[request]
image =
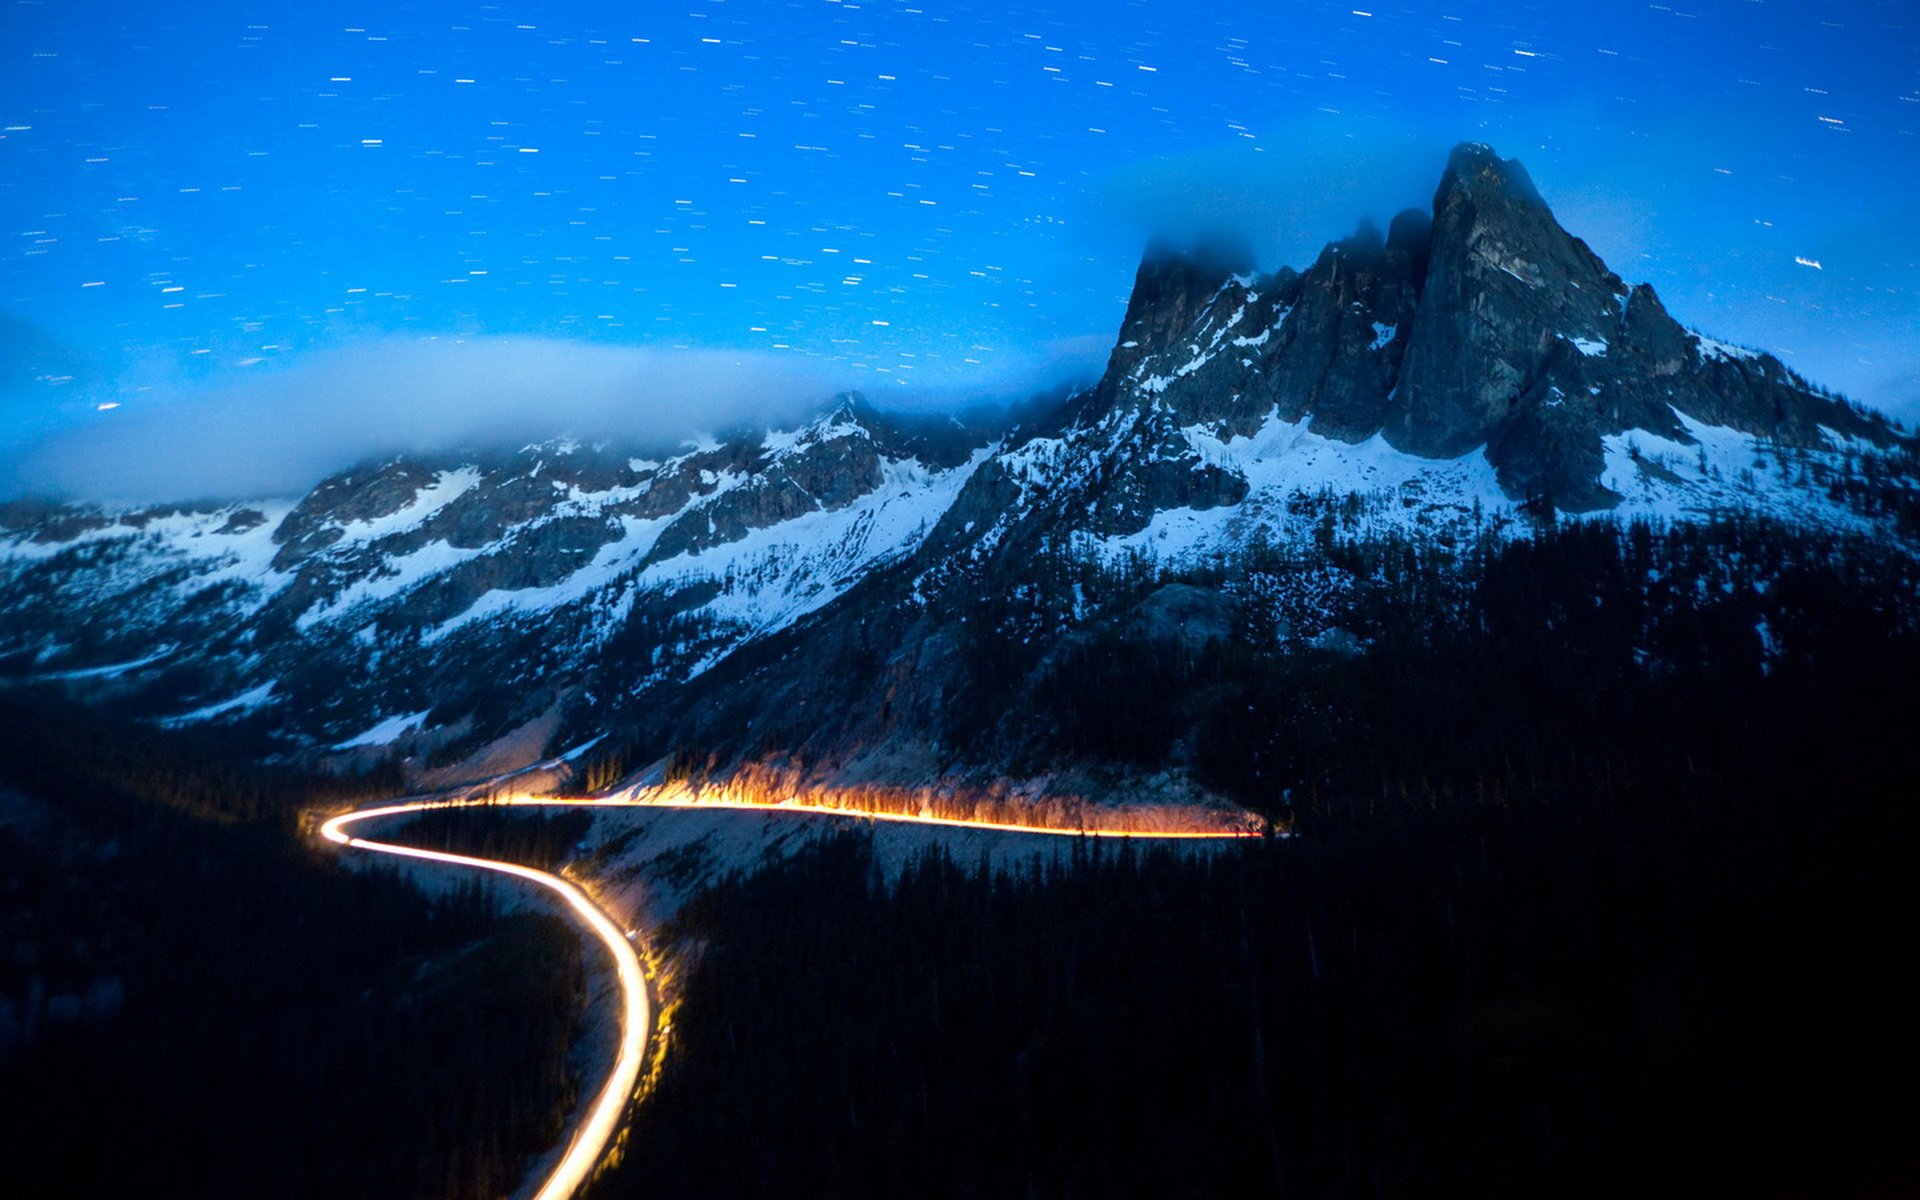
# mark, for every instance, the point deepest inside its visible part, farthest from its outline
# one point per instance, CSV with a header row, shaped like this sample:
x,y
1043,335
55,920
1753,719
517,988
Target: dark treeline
x,y
196,1000
1554,662
1446,1004
1588,659
1604,886
51,746
531,838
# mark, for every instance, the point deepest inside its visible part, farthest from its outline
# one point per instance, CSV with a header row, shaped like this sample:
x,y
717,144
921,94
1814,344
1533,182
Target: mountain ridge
x,y
1465,327
838,591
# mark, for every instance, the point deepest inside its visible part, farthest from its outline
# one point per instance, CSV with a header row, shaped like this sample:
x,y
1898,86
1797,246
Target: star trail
x,y
915,200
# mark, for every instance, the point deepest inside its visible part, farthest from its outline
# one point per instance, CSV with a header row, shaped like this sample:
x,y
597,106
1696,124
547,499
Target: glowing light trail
x,y
863,814
603,1120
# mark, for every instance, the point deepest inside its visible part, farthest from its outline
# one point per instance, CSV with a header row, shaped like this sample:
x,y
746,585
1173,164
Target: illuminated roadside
x,y
730,800
802,806
602,1122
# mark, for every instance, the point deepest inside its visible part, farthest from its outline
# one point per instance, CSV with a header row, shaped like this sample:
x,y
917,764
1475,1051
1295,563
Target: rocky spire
x,y
1171,287
1503,283
1484,324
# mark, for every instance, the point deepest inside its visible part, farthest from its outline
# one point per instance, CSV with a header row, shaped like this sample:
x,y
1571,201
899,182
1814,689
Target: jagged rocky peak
x,y
1481,325
1503,281
937,439
1173,286
1475,171
1342,331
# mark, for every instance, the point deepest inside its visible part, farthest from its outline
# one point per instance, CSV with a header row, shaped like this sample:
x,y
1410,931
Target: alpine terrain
x,y
1080,597
901,791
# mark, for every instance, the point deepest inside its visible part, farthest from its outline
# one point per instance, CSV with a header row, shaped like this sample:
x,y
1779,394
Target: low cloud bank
x,y
279,433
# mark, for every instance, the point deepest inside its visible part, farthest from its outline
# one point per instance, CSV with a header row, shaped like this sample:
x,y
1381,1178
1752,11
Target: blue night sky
x,y
926,203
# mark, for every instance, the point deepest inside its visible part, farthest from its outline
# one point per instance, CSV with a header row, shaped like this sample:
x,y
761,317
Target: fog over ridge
x,y
282,431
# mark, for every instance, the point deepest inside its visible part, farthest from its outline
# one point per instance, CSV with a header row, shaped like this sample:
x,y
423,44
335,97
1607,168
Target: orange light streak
x,y
603,1120
998,806
690,800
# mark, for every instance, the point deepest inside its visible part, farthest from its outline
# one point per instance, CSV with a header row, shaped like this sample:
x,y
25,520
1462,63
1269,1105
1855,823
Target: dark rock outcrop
x,y
1170,291
1504,283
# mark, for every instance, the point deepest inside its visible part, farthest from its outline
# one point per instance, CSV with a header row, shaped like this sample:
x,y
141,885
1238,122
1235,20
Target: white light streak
x,y
603,1120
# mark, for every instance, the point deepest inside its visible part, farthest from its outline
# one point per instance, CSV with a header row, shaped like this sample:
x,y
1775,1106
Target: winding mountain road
x,y
602,1122
590,1140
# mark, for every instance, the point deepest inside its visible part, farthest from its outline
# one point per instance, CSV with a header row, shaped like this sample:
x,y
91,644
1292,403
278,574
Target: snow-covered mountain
x,y
834,590
469,595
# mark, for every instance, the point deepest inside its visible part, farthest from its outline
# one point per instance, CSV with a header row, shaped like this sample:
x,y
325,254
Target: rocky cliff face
x,y
1504,286
836,590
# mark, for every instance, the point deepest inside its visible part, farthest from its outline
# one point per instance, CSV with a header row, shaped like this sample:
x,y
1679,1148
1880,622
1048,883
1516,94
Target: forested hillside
x,y
1602,884
197,1000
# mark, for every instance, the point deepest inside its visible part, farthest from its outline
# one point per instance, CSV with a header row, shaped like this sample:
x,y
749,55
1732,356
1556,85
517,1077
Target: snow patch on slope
x,y
386,731
144,566
398,574
447,486
611,561
769,577
1715,348
1285,463
1724,471
246,701
777,575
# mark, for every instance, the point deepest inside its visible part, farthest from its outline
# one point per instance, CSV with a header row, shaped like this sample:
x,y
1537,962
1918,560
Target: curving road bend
x,y
602,1122
603,1119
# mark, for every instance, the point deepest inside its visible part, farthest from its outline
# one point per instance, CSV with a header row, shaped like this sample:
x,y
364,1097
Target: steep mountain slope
x,y
1244,480
470,595
877,598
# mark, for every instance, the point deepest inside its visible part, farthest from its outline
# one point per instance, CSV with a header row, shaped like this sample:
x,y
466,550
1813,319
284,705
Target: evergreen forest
x,y
198,999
